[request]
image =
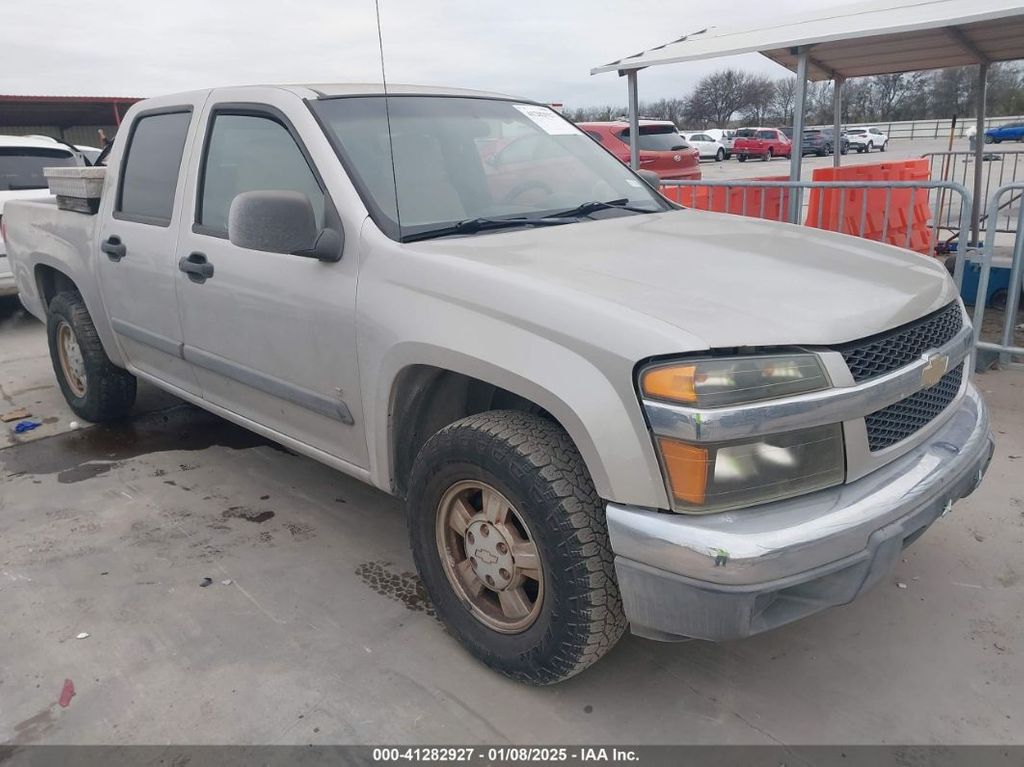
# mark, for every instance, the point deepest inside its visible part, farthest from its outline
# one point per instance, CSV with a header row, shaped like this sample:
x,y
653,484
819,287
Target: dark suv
x,y
821,141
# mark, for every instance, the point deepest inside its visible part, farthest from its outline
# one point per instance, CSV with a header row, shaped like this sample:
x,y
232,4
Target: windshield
x,y
465,158
22,167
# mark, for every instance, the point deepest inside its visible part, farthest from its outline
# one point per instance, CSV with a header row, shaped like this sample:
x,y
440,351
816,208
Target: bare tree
x,y
759,97
783,99
717,98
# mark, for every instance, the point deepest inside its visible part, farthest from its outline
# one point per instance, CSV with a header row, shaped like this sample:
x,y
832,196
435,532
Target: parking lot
x,y
895,150
313,628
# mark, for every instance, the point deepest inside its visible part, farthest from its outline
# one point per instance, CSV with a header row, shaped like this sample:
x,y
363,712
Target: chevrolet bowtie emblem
x,y
486,556
934,369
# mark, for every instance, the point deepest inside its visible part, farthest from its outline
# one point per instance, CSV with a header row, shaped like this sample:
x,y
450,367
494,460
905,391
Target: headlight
x,y
734,380
716,477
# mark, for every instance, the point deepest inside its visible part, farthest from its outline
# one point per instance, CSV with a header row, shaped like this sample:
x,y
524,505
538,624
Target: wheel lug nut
x,y
504,574
484,530
502,548
490,580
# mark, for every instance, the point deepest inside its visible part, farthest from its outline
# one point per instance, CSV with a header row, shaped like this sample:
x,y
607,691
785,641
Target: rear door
x,y
271,336
138,238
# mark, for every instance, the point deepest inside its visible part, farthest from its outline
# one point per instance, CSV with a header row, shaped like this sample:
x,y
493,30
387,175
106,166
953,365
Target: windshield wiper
x,y
474,225
594,205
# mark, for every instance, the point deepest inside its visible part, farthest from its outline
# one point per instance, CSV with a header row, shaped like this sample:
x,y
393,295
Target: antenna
x,y
387,115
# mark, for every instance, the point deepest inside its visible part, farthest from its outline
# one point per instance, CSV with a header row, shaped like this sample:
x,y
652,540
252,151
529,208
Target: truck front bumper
x,y
734,574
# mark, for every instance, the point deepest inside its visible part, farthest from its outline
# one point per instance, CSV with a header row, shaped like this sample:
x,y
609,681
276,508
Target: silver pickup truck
x,y
602,409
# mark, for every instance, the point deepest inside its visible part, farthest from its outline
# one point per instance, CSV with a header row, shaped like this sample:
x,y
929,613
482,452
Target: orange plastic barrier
x,y
737,200
846,210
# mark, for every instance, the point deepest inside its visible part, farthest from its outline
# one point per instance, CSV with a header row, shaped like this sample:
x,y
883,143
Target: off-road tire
x,y
534,464
110,391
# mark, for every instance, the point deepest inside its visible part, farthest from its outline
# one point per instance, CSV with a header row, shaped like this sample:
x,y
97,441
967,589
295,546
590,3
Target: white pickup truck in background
x,y
22,159
601,408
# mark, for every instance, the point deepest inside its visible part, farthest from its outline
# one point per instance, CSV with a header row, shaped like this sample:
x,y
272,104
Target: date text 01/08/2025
x,y
503,754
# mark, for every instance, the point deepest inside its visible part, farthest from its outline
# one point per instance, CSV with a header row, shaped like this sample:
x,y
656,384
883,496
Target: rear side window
x,y
22,167
151,167
247,153
766,134
745,133
657,138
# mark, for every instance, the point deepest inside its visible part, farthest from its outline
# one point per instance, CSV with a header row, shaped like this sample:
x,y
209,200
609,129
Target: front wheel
x,y
94,388
509,537
720,155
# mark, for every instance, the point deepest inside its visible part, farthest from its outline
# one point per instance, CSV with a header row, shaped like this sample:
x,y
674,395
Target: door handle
x,y
114,248
196,267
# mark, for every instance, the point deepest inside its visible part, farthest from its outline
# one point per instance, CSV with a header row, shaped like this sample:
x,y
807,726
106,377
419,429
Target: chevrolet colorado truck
x,y
602,409
766,143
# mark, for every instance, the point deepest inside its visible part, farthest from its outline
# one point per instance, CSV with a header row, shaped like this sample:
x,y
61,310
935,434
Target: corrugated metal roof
x,y
62,111
868,38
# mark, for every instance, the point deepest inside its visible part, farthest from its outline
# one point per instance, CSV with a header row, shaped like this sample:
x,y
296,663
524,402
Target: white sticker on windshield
x,y
547,120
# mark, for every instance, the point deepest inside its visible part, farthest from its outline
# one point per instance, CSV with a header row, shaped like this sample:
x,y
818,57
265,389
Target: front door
x,y
270,336
139,237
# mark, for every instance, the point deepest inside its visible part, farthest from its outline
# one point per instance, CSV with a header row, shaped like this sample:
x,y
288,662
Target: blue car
x,y
1011,132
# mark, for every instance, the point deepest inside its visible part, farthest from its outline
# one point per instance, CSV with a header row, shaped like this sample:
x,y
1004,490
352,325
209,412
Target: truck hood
x,y
727,280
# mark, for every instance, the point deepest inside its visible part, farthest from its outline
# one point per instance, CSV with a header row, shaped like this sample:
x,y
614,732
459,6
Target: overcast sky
x,y
540,49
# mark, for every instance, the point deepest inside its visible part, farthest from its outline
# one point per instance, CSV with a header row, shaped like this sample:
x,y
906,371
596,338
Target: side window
x,y
246,153
152,164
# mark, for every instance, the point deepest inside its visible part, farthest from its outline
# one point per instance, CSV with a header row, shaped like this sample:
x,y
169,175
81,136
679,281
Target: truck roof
x,y
32,142
333,90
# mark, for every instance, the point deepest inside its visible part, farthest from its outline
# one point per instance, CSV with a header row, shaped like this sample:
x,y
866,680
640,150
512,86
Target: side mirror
x,y
279,221
652,178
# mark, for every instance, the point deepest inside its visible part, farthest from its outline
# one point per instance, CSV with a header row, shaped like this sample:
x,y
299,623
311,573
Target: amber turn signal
x,y
687,468
676,383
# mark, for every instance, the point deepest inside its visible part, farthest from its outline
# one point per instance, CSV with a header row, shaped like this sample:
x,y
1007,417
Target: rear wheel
x,y
741,157
871,145
95,389
767,155
510,540
882,147
991,140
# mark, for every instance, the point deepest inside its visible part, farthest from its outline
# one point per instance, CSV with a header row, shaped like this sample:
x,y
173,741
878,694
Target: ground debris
x,y
205,582
15,415
67,693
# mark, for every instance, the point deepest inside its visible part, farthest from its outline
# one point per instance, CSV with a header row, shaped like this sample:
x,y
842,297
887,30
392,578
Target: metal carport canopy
x,y
868,38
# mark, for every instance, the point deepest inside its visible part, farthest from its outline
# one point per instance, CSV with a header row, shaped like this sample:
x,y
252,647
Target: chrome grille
x,y
885,352
902,419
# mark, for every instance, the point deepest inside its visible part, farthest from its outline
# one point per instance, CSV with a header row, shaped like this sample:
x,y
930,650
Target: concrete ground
x,y
315,630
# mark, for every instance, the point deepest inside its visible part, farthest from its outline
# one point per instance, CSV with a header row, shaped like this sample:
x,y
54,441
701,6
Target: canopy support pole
x,y
634,120
837,120
979,153
797,149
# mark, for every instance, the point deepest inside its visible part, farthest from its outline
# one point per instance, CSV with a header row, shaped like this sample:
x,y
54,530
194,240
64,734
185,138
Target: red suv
x,y
662,149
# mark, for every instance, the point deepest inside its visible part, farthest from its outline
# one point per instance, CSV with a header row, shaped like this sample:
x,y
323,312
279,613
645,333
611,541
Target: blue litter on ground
x,y
22,426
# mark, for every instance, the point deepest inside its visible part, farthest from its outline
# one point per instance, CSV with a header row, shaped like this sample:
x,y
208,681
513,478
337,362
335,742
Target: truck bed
x,y
38,232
